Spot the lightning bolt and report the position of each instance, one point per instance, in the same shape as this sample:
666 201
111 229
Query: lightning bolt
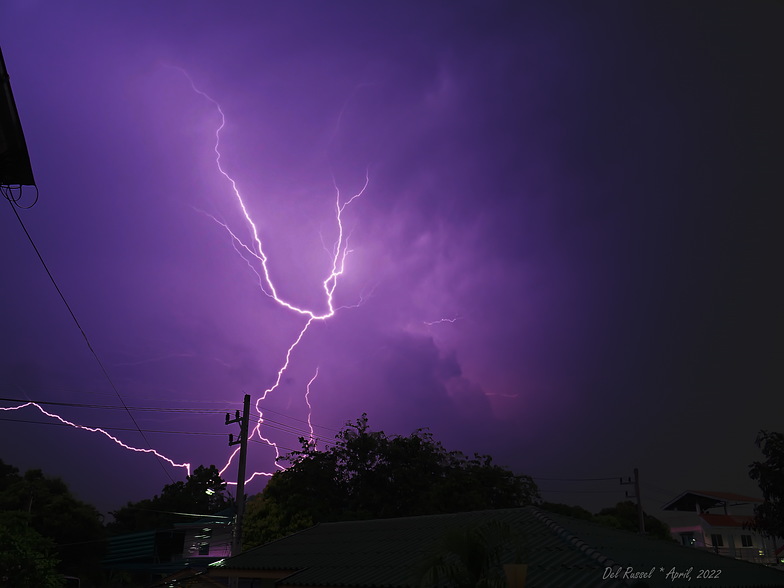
255 250
57 417
310 408
442 320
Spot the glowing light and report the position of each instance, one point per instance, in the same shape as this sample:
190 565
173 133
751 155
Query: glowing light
442 320
57 417
310 408
337 265
255 250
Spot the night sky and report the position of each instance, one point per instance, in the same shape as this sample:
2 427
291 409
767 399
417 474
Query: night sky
568 253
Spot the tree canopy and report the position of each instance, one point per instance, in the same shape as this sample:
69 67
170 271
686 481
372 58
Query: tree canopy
624 516
769 516
367 474
48 524
27 558
203 492
574 511
621 516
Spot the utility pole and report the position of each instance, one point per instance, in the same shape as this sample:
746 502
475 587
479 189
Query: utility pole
636 482
242 441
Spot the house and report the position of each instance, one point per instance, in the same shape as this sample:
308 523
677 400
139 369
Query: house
207 537
556 550
146 552
181 551
719 522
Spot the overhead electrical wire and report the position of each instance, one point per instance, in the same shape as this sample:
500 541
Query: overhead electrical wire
300 420
58 424
115 407
575 479
171 409
86 339
546 491
271 424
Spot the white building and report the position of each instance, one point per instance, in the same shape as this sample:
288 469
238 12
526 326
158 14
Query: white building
719 522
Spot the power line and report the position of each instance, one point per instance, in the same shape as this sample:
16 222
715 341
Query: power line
283 427
86 339
575 479
278 445
58 424
162 431
268 423
300 420
579 491
263 420
115 407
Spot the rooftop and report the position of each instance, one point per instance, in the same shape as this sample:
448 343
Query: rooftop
705 499
558 550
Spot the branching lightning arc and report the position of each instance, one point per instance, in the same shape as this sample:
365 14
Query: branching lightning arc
338 254
255 250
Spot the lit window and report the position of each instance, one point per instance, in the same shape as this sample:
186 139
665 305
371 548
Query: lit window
687 538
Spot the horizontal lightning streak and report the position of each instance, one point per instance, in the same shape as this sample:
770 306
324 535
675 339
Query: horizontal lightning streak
57 417
442 320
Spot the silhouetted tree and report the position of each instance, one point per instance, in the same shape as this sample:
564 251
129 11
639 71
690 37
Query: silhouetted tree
74 528
624 516
769 516
27 558
367 474
203 492
577 512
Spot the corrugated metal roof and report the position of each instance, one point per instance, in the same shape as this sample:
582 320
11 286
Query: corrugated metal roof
387 553
559 551
630 550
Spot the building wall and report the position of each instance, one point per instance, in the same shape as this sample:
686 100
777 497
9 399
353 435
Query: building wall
207 541
761 549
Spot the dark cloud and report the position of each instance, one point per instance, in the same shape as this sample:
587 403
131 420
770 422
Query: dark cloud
565 251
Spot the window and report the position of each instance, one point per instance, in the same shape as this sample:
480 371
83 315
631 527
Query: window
745 541
687 538
717 540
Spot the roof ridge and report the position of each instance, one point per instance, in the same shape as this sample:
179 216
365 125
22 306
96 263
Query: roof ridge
569 537
432 515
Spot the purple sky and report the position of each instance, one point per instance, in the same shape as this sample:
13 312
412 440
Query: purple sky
586 193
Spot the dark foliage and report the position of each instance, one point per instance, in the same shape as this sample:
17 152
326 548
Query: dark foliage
203 492
621 516
27 559
769 516
577 512
367 474
624 516
72 528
